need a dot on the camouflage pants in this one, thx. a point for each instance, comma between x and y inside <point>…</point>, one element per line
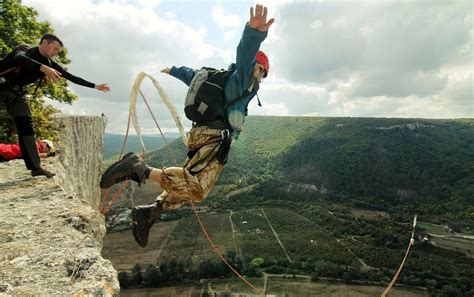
<point>195,180</point>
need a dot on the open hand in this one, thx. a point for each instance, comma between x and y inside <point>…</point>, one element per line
<point>103,87</point>
<point>258,20</point>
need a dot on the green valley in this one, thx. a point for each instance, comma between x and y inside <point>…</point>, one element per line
<point>332,199</point>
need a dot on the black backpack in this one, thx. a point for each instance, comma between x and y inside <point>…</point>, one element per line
<point>8,66</point>
<point>205,100</point>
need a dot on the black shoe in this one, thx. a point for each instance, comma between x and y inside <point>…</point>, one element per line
<point>130,167</point>
<point>143,217</point>
<point>42,171</point>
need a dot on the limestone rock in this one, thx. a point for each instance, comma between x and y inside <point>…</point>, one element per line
<point>50,229</point>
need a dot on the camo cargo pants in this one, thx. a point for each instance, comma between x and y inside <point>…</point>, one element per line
<point>195,180</point>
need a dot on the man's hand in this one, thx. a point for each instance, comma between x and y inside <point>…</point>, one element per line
<point>166,70</point>
<point>103,87</point>
<point>50,73</point>
<point>258,21</point>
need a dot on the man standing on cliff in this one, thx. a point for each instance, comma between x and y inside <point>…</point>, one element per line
<point>23,66</point>
<point>209,140</point>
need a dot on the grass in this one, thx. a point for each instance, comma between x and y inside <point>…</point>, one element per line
<point>124,252</point>
<point>433,228</point>
<point>465,246</point>
<point>280,287</point>
<point>277,287</point>
<point>369,214</point>
<point>188,243</point>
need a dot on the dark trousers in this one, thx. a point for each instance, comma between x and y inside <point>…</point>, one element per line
<point>17,106</point>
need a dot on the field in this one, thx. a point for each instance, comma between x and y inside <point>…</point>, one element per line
<point>124,252</point>
<point>278,287</point>
<point>188,243</point>
<point>181,291</point>
<point>268,233</point>
<point>433,228</point>
<point>184,241</point>
<point>369,214</point>
<point>463,245</point>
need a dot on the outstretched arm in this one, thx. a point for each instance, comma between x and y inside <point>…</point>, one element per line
<point>76,79</point>
<point>254,34</point>
<point>183,73</point>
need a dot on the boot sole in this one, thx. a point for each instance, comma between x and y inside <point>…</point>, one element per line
<point>141,225</point>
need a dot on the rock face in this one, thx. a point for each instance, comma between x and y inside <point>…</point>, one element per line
<point>50,229</point>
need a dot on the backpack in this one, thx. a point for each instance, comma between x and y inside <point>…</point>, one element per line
<point>8,67</point>
<point>205,99</point>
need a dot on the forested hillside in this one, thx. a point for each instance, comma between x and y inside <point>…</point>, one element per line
<point>418,165</point>
<point>113,143</point>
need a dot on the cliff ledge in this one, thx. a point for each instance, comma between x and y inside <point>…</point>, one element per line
<point>50,229</point>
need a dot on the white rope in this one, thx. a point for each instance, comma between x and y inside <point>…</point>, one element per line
<point>166,100</point>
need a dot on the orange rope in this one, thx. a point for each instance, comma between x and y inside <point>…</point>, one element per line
<point>394,279</point>
<point>203,228</point>
<point>218,252</point>
<point>102,207</point>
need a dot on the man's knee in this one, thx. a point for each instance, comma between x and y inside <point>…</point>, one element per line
<point>24,125</point>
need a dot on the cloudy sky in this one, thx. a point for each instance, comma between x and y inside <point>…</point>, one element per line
<point>328,58</point>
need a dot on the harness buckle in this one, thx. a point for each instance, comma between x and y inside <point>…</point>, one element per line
<point>225,134</point>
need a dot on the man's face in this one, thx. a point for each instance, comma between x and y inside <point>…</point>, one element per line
<point>51,49</point>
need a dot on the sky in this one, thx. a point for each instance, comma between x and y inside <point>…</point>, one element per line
<point>407,59</point>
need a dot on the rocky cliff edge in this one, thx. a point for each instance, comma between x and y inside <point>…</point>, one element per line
<point>50,229</point>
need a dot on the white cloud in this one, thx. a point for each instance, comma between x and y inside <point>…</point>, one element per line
<point>225,20</point>
<point>110,42</point>
<point>375,58</point>
<point>383,49</point>
<point>229,35</point>
<point>150,4</point>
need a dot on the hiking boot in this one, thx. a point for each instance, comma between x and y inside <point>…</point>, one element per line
<point>42,171</point>
<point>143,217</point>
<point>130,167</point>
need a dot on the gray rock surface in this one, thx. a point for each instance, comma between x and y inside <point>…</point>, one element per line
<point>50,229</point>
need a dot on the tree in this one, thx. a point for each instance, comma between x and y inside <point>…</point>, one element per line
<point>151,277</point>
<point>18,25</point>
<point>136,275</point>
<point>450,291</point>
<point>123,279</point>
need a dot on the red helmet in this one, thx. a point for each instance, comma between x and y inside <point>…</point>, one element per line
<point>262,59</point>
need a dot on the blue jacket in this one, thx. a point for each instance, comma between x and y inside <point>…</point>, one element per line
<point>239,79</point>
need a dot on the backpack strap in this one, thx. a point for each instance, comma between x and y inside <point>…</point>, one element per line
<point>8,70</point>
<point>41,80</point>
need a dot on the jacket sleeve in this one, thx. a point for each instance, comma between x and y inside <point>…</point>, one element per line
<point>183,73</point>
<point>72,78</point>
<point>246,51</point>
<point>20,57</point>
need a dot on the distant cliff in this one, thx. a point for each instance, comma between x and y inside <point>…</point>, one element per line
<point>50,230</point>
